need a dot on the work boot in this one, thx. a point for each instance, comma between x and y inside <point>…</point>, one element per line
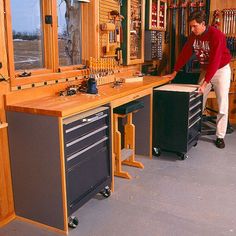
<point>220,143</point>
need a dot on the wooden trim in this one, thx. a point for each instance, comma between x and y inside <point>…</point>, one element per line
<point>151,123</point>
<point>52,229</point>
<point>63,175</point>
<point>9,40</point>
<point>48,77</point>
<point>7,220</point>
<point>54,32</point>
<point>141,59</point>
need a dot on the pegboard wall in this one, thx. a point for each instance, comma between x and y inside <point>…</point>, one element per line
<point>106,6</point>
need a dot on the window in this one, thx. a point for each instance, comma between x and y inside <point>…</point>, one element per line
<point>27,34</point>
<point>45,37</point>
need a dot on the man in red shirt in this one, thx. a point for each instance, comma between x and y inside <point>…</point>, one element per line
<point>209,45</point>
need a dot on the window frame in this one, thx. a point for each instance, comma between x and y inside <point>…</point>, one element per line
<point>52,70</point>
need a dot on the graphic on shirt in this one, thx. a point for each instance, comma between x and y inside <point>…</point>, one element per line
<point>202,49</point>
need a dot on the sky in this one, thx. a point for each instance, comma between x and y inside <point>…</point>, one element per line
<point>26,15</point>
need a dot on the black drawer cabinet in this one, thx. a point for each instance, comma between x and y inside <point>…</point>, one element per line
<point>177,112</point>
<point>87,155</point>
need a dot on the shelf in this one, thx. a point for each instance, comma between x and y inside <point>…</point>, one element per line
<point>3,125</point>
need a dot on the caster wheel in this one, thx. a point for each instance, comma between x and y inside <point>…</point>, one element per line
<point>156,151</point>
<point>195,145</point>
<point>183,156</point>
<point>73,222</point>
<point>106,192</point>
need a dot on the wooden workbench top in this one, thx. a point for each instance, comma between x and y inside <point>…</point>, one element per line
<point>69,105</point>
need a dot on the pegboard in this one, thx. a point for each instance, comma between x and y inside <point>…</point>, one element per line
<point>106,6</point>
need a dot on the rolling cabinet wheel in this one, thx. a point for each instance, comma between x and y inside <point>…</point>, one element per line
<point>182,156</point>
<point>73,222</point>
<point>106,192</point>
<point>156,151</point>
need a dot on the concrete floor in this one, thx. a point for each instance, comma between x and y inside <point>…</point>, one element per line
<point>168,197</point>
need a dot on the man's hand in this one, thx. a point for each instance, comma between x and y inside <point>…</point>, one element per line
<point>202,87</point>
<point>171,76</point>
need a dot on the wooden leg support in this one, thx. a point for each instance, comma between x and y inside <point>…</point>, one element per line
<point>130,143</point>
<point>117,150</point>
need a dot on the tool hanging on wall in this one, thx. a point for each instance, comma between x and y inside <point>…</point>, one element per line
<point>182,22</point>
<point>229,21</point>
<point>216,19</point>
<point>173,13</point>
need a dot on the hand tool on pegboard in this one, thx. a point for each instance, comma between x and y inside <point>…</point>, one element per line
<point>216,19</point>
<point>182,22</point>
<point>173,11</point>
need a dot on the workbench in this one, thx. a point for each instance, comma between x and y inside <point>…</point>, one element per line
<point>46,116</point>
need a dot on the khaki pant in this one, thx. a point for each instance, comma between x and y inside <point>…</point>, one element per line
<point>221,84</point>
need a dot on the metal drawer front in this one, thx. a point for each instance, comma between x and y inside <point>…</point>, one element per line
<point>81,128</point>
<point>81,180</point>
<point>194,131</point>
<point>82,143</point>
<point>195,99</point>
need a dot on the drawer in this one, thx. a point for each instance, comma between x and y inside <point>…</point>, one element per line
<point>194,131</point>
<point>85,141</point>
<point>194,100</point>
<point>84,153</point>
<point>194,115</point>
<point>86,175</point>
<point>194,121</point>
<point>130,98</point>
<point>76,128</point>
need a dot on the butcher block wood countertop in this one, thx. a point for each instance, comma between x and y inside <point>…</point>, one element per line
<point>63,106</point>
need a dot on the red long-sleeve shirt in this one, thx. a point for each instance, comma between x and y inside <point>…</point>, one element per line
<point>210,49</point>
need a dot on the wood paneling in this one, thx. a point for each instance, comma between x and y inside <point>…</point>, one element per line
<point>6,196</point>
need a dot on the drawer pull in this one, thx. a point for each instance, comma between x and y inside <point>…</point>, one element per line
<point>135,97</point>
<point>86,136</point>
<point>199,118</point>
<point>198,111</point>
<point>195,97</point>
<point>85,123</point>
<point>86,149</point>
<point>197,104</point>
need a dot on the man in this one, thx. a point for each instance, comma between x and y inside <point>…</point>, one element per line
<point>209,45</point>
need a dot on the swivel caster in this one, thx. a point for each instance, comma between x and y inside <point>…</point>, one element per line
<point>156,151</point>
<point>73,222</point>
<point>106,192</point>
<point>183,156</point>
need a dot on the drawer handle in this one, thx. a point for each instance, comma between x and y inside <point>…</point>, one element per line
<point>198,111</point>
<point>137,96</point>
<point>86,149</point>
<point>85,123</point>
<point>199,118</point>
<point>197,104</point>
<point>86,136</point>
<point>195,97</point>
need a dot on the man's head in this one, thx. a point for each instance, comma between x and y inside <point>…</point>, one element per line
<point>197,22</point>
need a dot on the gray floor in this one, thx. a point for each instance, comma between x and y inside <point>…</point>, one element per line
<point>196,196</point>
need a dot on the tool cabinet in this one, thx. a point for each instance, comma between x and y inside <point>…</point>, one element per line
<point>58,164</point>
<point>177,112</point>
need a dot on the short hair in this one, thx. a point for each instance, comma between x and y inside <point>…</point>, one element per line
<point>198,16</point>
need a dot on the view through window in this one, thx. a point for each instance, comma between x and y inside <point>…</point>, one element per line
<point>27,34</point>
<point>69,32</point>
